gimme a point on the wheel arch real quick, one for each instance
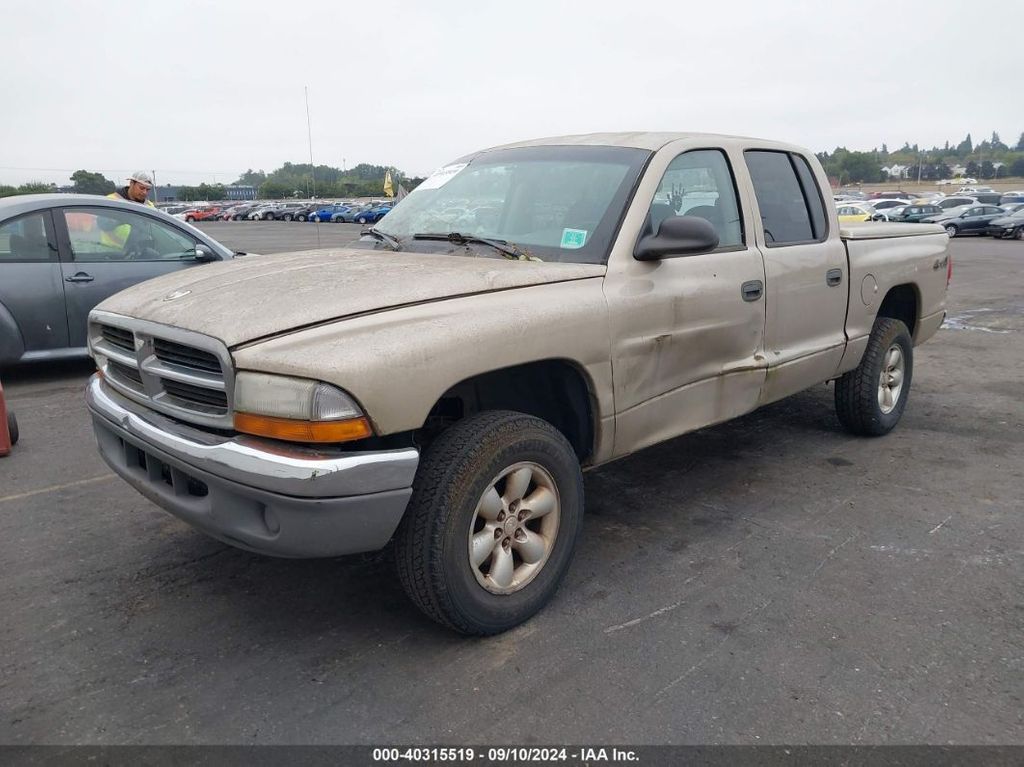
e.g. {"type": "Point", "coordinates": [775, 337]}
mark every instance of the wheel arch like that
{"type": "Point", "coordinates": [12, 342]}
{"type": "Point", "coordinates": [556, 390]}
{"type": "Point", "coordinates": [902, 302]}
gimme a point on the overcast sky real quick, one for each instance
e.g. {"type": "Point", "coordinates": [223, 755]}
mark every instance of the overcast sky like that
{"type": "Point", "coordinates": [200, 91]}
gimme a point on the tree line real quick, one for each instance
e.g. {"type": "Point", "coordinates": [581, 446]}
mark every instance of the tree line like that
{"type": "Point", "coordinates": [989, 159]}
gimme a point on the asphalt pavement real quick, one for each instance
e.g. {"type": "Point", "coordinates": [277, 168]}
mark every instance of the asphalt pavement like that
{"type": "Point", "coordinates": [769, 580]}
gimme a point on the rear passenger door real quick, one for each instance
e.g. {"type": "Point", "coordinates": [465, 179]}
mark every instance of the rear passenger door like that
{"type": "Point", "coordinates": [806, 274]}
{"type": "Point", "coordinates": [31, 290]}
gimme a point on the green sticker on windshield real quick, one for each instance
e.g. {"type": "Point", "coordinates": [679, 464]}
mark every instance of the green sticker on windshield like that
{"type": "Point", "coordinates": [574, 238]}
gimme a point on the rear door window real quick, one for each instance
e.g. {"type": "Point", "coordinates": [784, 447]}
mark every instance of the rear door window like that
{"type": "Point", "coordinates": [27, 239]}
{"type": "Point", "coordinates": [788, 197]}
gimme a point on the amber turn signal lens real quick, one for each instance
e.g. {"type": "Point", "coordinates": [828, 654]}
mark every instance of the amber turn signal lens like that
{"type": "Point", "coordinates": [303, 431]}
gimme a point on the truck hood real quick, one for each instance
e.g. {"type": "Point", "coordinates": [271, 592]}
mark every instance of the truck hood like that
{"type": "Point", "coordinates": [254, 298]}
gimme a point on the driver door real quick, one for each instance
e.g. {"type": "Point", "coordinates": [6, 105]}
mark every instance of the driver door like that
{"type": "Point", "coordinates": [105, 250]}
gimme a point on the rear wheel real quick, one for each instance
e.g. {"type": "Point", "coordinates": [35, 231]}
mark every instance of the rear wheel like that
{"type": "Point", "coordinates": [496, 510]}
{"type": "Point", "coordinates": [301, 217]}
{"type": "Point", "coordinates": [871, 398]}
{"type": "Point", "coordinates": [1019, 234]}
{"type": "Point", "coordinates": [12, 427]}
{"type": "Point", "coordinates": [287, 216]}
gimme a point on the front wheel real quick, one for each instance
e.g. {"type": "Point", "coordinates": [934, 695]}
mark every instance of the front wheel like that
{"type": "Point", "coordinates": [952, 231]}
{"type": "Point", "coordinates": [1019, 234]}
{"type": "Point", "coordinates": [871, 398]}
{"type": "Point", "coordinates": [190, 219]}
{"type": "Point", "coordinates": [287, 216]}
{"type": "Point", "coordinates": [361, 219]}
{"type": "Point", "coordinates": [495, 513]}
{"type": "Point", "coordinates": [12, 427]}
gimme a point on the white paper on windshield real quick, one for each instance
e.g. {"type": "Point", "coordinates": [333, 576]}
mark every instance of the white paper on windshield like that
{"type": "Point", "coordinates": [442, 176]}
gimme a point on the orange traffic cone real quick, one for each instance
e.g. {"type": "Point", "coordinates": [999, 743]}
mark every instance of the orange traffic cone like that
{"type": "Point", "coordinates": [8, 427]}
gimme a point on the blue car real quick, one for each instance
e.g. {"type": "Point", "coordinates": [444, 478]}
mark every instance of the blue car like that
{"type": "Point", "coordinates": [327, 212]}
{"type": "Point", "coordinates": [373, 215]}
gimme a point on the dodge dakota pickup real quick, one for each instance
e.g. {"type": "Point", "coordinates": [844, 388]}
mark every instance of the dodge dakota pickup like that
{"type": "Point", "coordinates": [528, 312]}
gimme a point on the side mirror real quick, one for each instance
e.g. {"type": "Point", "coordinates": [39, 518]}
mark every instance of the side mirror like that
{"type": "Point", "coordinates": [204, 254]}
{"type": "Point", "coordinates": [678, 236]}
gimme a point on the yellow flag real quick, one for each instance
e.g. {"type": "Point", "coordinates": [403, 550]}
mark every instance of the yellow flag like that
{"type": "Point", "coordinates": [389, 189]}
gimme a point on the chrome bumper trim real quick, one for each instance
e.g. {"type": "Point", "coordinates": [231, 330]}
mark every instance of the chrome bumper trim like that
{"type": "Point", "coordinates": [272, 466]}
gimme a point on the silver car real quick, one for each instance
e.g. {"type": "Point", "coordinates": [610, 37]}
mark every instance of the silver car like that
{"type": "Point", "coordinates": [61, 254]}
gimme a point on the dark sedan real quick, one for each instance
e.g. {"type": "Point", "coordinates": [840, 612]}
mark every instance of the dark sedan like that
{"type": "Point", "coordinates": [1008, 226]}
{"type": "Point", "coordinates": [61, 254]}
{"type": "Point", "coordinates": [909, 214]}
{"type": "Point", "coordinates": [973, 220]}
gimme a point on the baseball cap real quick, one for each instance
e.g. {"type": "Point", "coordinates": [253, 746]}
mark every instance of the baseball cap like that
{"type": "Point", "coordinates": [142, 177]}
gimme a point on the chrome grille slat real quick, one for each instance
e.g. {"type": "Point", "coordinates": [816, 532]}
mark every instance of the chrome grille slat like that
{"type": "Point", "coordinates": [181, 373]}
{"type": "Point", "coordinates": [179, 354]}
{"type": "Point", "coordinates": [119, 337]}
{"type": "Point", "coordinates": [196, 394]}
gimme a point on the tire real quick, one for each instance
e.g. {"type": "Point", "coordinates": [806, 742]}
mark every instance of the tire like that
{"type": "Point", "coordinates": [468, 463]}
{"type": "Point", "coordinates": [267, 216]}
{"type": "Point", "coordinates": [951, 230]}
{"type": "Point", "coordinates": [190, 219]}
{"type": "Point", "coordinates": [236, 218]}
{"type": "Point", "coordinates": [361, 220]}
{"type": "Point", "coordinates": [301, 217]}
{"type": "Point", "coordinates": [287, 216]}
{"type": "Point", "coordinates": [1019, 234]}
{"type": "Point", "coordinates": [12, 427]}
{"type": "Point", "coordinates": [862, 404]}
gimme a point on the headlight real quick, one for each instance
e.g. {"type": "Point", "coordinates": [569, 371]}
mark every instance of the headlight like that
{"type": "Point", "coordinates": [296, 409]}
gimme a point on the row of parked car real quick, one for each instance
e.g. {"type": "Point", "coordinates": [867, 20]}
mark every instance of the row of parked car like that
{"type": "Point", "coordinates": [957, 214]}
{"type": "Point", "coordinates": [335, 212]}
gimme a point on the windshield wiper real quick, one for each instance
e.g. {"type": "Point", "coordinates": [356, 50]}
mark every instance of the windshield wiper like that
{"type": "Point", "coordinates": [506, 248]}
{"type": "Point", "coordinates": [388, 239]}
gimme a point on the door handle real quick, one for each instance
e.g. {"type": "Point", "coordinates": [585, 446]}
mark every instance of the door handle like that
{"type": "Point", "coordinates": [751, 291]}
{"type": "Point", "coordinates": [833, 277]}
{"type": "Point", "coordinates": [79, 277]}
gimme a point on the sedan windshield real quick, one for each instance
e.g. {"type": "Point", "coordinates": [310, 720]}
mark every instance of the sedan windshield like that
{"type": "Point", "coordinates": [553, 203]}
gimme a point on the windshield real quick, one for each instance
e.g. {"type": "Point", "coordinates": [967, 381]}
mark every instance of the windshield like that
{"type": "Point", "coordinates": [555, 203]}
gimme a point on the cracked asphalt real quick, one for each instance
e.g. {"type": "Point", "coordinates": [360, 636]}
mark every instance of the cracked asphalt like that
{"type": "Point", "coordinates": [769, 580]}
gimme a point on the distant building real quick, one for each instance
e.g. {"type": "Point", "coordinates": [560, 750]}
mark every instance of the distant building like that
{"type": "Point", "coordinates": [896, 171]}
{"type": "Point", "coordinates": [240, 192]}
{"type": "Point", "coordinates": [165, 193]}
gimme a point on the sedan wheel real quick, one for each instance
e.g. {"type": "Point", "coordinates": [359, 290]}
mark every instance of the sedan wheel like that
{"type": "Point", "coordinates": [361, 219]}
{"type": "Point", "coordinates": [951, 230]}
{"type": "Point", "coordinates": [1019, 234]}
{"type": "Point", "coordinates": [287, 216]}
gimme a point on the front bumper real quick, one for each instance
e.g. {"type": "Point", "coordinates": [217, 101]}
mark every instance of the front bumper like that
{"type": "Point", "coordinates": [263, 496]}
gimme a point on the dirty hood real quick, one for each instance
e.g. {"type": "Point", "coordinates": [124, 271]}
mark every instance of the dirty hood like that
{"type": "Point", "coordinates": [256, 297]}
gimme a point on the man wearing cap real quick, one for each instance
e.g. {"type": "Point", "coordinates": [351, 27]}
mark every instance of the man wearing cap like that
{"type": "Point", "coordinates": [139, 184]}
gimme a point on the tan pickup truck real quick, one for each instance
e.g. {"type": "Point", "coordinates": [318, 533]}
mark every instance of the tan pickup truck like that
{"type": "Point", "coordinates": [529, 311]}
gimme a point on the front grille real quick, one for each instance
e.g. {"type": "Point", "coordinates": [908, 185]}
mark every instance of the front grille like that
{"type": "Point", "coordinates": [185, 356]}
{"type": "Point", "coordinates": [190, 394]}
{"type": "Point", "coordinates": [180, 373]}
{"type": "Point", "coordinates": [119, 337]}
{"type": "Point", "coordinates": [125, 372]}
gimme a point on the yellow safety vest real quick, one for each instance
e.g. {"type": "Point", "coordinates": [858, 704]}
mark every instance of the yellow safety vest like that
{"type": "Point", "coordinates": [118, 236]}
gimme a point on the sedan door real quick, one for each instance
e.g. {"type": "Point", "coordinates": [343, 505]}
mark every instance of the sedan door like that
{"type": "Point", "coordinates": [32, 318]}
{"type": "Point", "coordinates": [105, 250]}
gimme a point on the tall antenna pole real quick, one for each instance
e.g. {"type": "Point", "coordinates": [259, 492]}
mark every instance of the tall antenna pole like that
{"type": "Point", "coordinates": [309, 134]}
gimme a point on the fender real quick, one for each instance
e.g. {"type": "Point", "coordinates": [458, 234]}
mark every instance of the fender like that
{"type": "Point", "coordinates": [12, 343]}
